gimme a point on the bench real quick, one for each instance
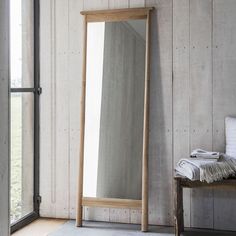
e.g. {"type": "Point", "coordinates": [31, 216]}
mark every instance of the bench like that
{"type": "Point", "coordinates": [179, 184]}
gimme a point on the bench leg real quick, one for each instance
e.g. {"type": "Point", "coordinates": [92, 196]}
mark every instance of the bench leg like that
{"type": "Point", "coordinates": [178, 208]}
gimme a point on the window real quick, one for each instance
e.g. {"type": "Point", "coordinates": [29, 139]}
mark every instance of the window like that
{"type": "Point", "coordinates": [25, 91]}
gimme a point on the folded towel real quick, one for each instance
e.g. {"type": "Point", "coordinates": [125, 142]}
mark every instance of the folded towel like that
{"type": "Point", "coordinates": [186, 169]}
{"type": "Point", "coordinates": [208, 170]}
{"type": "Point", "coordinates": [200, 153]}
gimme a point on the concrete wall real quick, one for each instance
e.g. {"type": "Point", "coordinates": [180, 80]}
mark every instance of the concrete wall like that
{"type": "Point", "coordinates": [192, 89]}
{"type": "Point", "coordinates": [4, 118]}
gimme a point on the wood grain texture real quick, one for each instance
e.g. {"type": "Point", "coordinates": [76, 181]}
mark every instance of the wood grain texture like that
{"type": "Point", "coordinates": [111, 202]}
{"type": "Point", "coordinates": [178, 207]}
{"type": "Point", "coordinates": [97, 18]}
{"type": "Point", "coordinates": [146, 115]}
{"type": "Point", "coordinates": [181, 183]}
{"type": "Point", "coordinates": [106, 202]}
{"type": "Point", "coordinates": [5, 117]}
{"type": "Point", "coordinates": [186, 183]}
{"type": "Point", "coordinates": [126, 11]}
{"type": "Point", "coordinates": [40, 227]}
{"type": "Point", "coordinates": [82, 130]}
{"type": "Point", "coordinates": [95, 213]}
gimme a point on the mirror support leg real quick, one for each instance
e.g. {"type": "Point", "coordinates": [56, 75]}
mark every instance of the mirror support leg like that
{"type": "Point", "coordinates": [144, 225]}
{"type": "Point", "coordinates": [79, 216]}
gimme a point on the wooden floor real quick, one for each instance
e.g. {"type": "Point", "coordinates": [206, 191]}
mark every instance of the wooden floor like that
{"type": "Point", "coordinates": [40, 227]}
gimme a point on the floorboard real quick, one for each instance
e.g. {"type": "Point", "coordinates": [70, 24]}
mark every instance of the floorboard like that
{"type": "Point", "coordinates": [40, 227]}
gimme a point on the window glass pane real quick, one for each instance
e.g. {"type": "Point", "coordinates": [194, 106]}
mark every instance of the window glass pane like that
{"type": "Point", "coordinates": [22, 146]}
{"type": "Point", "coordinates": [21, 43]}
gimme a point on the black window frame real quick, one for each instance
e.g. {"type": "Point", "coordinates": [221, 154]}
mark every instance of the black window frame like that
{"type": "Point", "coordinates": [36, 90]}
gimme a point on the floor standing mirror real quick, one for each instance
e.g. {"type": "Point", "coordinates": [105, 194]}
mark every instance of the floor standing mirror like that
{"type": "Point", "coordinates": [113, 164]}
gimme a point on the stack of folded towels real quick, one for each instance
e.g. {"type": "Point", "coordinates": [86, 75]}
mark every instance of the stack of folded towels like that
{"type": "Point", "coordinates": [206, 166]}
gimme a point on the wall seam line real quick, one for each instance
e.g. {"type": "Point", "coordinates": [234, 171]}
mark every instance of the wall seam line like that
{"type": "Point", "coordinates": [189, 110]}
{"type": "Point", "coordinates": [172, 115]}
{"type": "Point", "coordinates": [212, 71]}
{"type": "Point", "coordinates": [69, 133]}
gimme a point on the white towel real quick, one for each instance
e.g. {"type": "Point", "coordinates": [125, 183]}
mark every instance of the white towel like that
{"type": "Point", "coordinates": [186, 169]}
{"type": "Point", "coordinates": [200, 153]}
{"type": "Point", "coordinates": [208, 170]}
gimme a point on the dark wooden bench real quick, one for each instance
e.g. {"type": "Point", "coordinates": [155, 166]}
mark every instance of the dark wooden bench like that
{"type": "Point", "coordinates": [179, 184]}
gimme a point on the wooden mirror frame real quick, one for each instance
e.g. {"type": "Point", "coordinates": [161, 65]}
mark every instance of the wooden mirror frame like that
{"type": "Point", "coordinates": [109, 16]}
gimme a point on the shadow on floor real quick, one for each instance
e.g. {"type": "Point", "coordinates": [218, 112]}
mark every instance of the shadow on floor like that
{"type": "Point", "coordinates": [114, 229]}
{"type": "Point", "coordinates": [200, 232]}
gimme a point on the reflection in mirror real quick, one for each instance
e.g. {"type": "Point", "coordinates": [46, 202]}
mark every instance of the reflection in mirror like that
{"type": "Point", "coordinates": [113, 142]}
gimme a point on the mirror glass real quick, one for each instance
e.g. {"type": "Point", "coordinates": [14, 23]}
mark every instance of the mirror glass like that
{"type": "Point", "coordinates": [115, 74]}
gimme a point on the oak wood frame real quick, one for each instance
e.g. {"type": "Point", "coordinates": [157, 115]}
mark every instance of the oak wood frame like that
{"type": "Point", "coordinates": [109, 16]}
{"type": "Point", "coordinates": [111, 202]}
